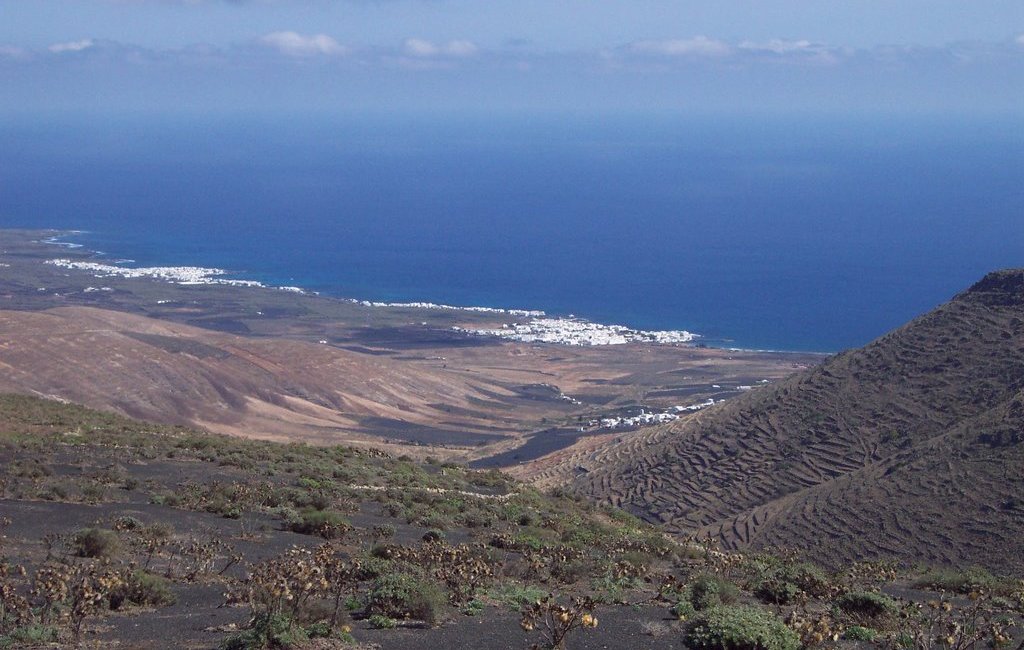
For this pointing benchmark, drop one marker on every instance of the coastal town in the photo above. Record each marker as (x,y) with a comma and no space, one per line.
(577,331)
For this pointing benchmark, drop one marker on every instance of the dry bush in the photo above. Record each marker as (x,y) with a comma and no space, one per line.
(555,622)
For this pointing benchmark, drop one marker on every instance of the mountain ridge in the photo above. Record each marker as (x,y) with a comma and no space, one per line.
(862,436)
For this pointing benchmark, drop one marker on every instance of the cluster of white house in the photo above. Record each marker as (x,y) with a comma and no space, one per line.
(645,418)
(173,274)
(526,313)
(575,331)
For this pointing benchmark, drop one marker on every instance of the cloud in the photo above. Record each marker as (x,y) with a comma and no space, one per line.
(801,51)
(419,47)
(696,46)
(73,46)
(1020,40)
(295,44)
(13,52)
(777,46)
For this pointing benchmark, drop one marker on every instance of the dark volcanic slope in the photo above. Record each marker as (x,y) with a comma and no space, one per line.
(911,447)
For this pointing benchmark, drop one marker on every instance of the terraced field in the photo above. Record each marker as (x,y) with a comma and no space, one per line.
(910,447)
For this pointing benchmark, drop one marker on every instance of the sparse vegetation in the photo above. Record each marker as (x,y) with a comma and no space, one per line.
(740,628)
(366,558)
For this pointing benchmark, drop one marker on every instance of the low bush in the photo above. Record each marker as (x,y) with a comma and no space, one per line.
(782,582)
(710,590)
(382,622)
(30,636)
(683,610)
(740,628)
(268,631)
(868,606)
(433,535)
(402,595)
(960,581)
(517,596)
(144,589)
(859,633)
(384,531)
(325,523)
(96,543)
(127,522)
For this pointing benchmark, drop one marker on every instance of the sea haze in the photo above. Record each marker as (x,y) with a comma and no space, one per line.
(802,233)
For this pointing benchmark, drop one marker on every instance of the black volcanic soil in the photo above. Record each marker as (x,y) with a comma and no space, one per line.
(66,468)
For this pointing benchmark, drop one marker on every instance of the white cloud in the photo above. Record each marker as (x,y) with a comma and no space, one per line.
(1020,40)
(802,51)
(73,46)
(460,48)
(419,47)
(295,44)
(777,46)
(13,52)
(696,46)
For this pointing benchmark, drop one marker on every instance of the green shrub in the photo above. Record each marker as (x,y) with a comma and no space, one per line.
(710,590)
(267,631)
(382,622)
(961,581)
(433,535)
(516,595)
(30,636)
(352,603)
(384,531)
(740,628)
(144,589)
(325,523)
(127,522)
(781,583)
(157,530)
(224,508)
(858,633)
(169,499)
(868,606)
(308,483)
(572,571)
(477,519)
(402,595)
(320,630)
(434,520)
(94,493)
(96,543)
(683,610)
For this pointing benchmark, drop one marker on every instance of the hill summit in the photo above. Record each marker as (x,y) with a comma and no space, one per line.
(911,447)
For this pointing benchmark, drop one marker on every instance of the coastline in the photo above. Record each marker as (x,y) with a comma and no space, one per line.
(540,327)
(299,365)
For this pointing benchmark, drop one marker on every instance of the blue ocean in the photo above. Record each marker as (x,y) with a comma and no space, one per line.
(781,232)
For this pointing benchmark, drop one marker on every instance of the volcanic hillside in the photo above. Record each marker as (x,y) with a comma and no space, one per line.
(269,388)
(911,447)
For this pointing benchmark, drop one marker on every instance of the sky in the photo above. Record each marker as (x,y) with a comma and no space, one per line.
(566,55)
